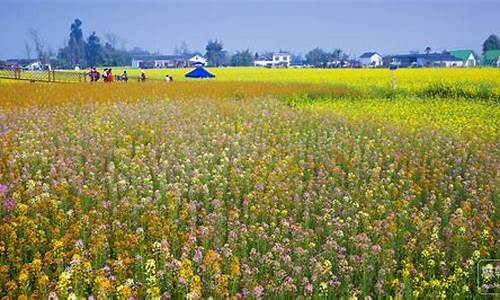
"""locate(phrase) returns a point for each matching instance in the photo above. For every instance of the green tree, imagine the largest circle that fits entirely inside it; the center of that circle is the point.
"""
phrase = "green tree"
(428, 50)
(317, 57)
(76, 45)
(491, 43)
(243, 58)
(216, 55)
(116, 57)
(338, 54)
(94, 50)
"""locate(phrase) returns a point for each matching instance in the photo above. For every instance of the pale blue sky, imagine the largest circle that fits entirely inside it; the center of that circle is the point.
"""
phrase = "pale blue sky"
(387, 26)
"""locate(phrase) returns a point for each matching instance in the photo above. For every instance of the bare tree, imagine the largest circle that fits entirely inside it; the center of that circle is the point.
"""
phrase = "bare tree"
(39, 44)
(182, 49)
(123, 44)
(112, 39)
(27, 47)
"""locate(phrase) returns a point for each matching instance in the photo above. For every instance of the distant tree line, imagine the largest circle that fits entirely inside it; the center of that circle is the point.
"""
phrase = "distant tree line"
(92, 51)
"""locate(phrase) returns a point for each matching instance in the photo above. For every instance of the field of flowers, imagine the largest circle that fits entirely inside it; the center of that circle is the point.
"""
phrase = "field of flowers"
(409, 80)
(352, 76)
(467, 119)
(228, 189)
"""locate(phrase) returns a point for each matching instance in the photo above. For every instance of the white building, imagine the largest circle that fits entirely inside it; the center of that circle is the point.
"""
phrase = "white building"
(278, 60)
(467, 56)
(371, 59)
(263, 62)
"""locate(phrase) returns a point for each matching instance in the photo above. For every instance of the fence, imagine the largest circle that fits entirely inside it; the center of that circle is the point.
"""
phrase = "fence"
(55, 76)
(43, 76)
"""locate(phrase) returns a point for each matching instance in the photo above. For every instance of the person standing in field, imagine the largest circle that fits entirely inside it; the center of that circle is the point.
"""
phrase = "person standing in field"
(105, 75)
(124, 76)
(167, 78)
(110, 76)
(91, 74)
(143, 77)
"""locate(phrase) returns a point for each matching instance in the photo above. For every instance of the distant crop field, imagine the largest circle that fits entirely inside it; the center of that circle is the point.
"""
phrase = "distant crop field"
(474, 83)
(258, 184)
(406, 78)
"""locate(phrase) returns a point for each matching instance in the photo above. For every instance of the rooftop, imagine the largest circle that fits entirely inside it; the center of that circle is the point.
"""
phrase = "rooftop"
(462, 54)
(491, 57)
(431, 56)
(368, 54)
(492, 54)
(160, 57)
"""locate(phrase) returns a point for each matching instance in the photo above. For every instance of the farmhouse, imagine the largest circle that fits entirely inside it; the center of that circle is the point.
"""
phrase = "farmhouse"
(27, 65)
(468, 57)
(167, 61)
(278, 60)
(492, 58)
(21, 62)
(444, 59)
(371, 59)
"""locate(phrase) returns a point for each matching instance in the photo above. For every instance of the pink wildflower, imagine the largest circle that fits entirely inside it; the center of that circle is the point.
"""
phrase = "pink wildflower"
(3, 189)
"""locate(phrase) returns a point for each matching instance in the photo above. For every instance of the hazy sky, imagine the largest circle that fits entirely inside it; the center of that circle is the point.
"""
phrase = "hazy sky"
(387, 26)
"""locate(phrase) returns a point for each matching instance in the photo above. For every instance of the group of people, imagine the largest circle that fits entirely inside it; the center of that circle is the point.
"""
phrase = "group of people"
(107, 76)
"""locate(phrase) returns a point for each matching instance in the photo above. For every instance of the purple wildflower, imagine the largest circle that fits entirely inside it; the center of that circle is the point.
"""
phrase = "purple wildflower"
(258, 292)
(198, 256)
(79, 244)
(3, 189)
(9, 204)
(107, 270)
(309, 288)
(244, 292)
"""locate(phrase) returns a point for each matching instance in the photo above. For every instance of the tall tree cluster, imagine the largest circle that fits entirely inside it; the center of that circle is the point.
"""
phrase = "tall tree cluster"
(76, 45)
(319, 58)
(216, 55)
(91, 52)
(242, 58)
(94, 51)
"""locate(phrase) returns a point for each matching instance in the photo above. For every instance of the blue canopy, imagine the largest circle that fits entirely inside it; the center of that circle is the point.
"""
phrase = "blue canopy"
(200, 72)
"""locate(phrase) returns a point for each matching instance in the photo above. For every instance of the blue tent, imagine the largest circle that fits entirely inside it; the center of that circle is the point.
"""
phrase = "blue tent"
(200, 72)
